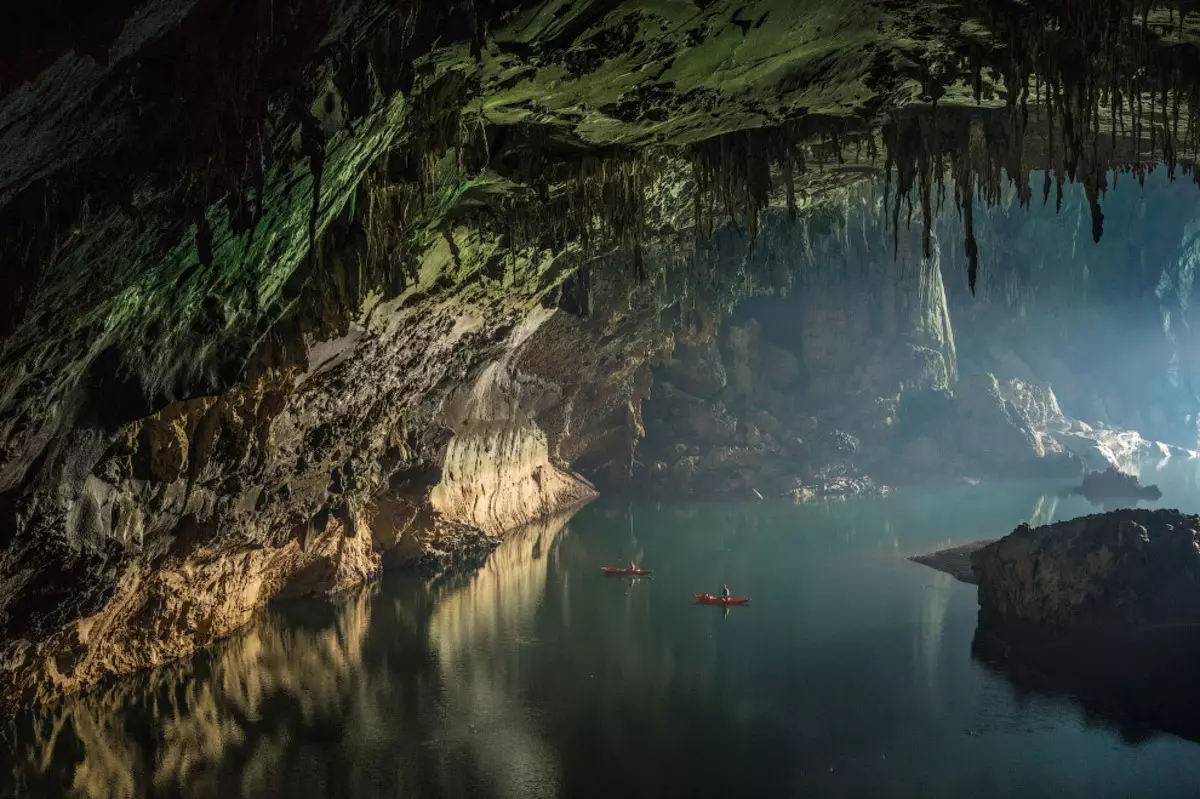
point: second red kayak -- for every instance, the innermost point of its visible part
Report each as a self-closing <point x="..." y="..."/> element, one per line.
<point x="615" y="572"/>
<point x="709" y="599"/>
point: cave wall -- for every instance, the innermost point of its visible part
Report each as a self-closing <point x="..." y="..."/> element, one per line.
<point x="246" y="281"/>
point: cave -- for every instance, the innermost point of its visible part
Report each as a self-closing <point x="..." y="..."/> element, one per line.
<point x="344" y="343"/>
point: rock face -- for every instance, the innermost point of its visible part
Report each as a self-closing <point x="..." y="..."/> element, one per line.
<point x="977" y="431"/>
<point x="1123" y="569"/>
<point x="781" y="404"/>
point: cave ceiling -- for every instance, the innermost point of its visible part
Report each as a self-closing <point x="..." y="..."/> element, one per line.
<point x="263" y="263"/>
<point x="169" y="167"/>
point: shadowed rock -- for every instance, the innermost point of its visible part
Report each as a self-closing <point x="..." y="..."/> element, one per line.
<point x="955" y="561"/>
<point x="1113" y="484"/>
<point x="1103" y="609"/>
<point x="1125" y="569"/>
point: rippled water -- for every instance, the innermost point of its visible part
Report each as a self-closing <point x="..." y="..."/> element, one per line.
<point x="849" y="675"/>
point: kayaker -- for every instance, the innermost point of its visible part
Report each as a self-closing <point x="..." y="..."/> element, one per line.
<point x="724" y="591"/>
<point x="632" y="567"/>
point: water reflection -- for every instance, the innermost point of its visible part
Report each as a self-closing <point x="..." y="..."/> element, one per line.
<point x="319" y="699"/>
<point x="172" y="731"/>
<point x="1138" y="683"/>
<point x="849" y="674"/>
<point x="476" y="633"/>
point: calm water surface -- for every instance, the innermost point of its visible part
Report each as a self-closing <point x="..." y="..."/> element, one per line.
<point x="849" y="675"/>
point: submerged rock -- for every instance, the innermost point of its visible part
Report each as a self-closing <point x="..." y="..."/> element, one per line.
<point x="955" y="561"/>
<point x="1123" y="569"/>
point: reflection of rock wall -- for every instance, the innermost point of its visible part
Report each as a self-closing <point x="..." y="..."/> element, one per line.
<point x="500" y="598"/>
<point x="201" y="716"/>
<point x="307" y="702"/>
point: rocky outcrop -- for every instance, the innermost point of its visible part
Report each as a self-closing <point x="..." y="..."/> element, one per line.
<point x="166" y="606"/>
<point x="1103" y="611"/>
<point x="975" y="431"/>
<point x="1123" y="569"/>
<point x="955" y="561"/>
<point x="1113" y="484"/>
<point x="696" y="370"/>
<point x="746" y="438"/>
<point x="767" y="420"/>
<point x="1098" y="446"/>
<point x="496" y="472"/>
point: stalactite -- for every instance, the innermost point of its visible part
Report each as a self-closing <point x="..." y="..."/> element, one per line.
<point x="1085" y="58"/>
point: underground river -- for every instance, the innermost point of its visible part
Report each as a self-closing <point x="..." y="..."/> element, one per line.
<point x="849" y="674"/>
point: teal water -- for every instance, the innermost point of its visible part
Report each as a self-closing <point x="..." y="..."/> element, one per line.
<point x="849" y="675"/>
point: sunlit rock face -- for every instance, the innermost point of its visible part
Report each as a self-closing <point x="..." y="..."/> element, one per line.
<point x="497" y="473"/>
<point x="165" y="608"/>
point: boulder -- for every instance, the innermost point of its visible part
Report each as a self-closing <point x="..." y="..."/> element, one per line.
<point x="1123" y="569"/>
<point x="1113" y="484"/>
<point x="697" y="370"/>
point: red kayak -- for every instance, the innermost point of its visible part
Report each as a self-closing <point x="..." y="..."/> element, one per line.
<point x="709" y="599"/>
<point x="615" y="572"/>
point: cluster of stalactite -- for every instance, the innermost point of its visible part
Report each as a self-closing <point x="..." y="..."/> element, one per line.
<point x="1090" y="86"/>
<point x="1106" y="85"/>
<point x="561" y="192"/>
<point x="957" y="153"/>
<point x="740" y="172"/>
<point x="599" y="201"/>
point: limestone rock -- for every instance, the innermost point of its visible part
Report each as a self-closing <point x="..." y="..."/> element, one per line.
<point x="1126" y="568"/>
<point x="1113" y="484"/>
<point x="976" y="430"/>
<point x="697" y="370"/>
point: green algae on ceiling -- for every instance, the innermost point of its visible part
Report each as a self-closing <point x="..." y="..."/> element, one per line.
<point x="668" y="71"/>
